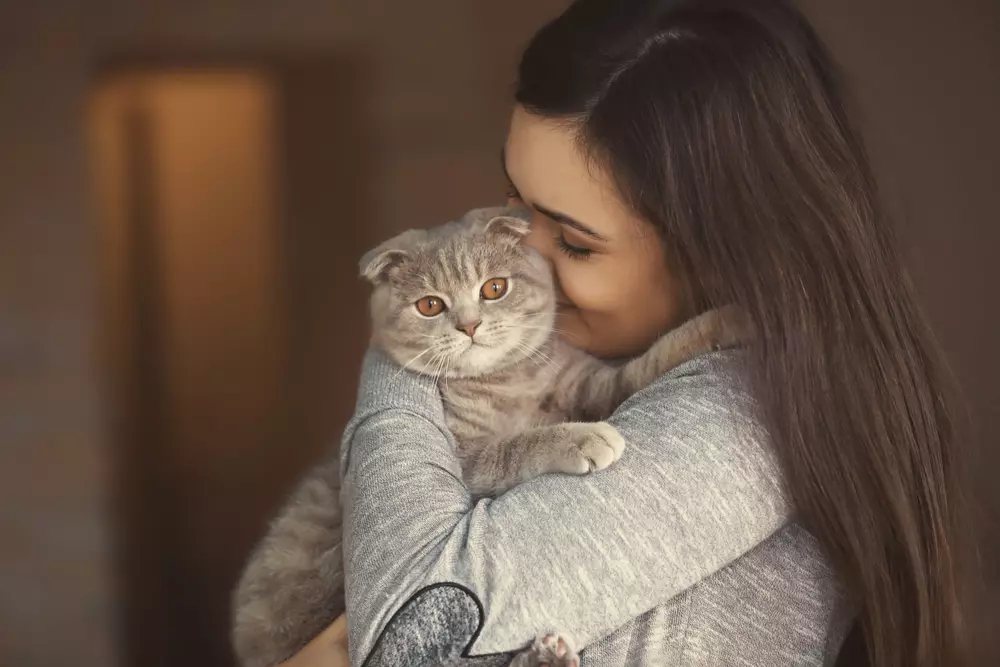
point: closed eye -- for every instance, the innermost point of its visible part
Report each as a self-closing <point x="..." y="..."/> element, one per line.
<point x="567" y="248"/>
<point x="570" y="250"/>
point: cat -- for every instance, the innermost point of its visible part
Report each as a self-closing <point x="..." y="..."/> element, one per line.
<point x="473" y="306"/>
<point x="469" y="304"/>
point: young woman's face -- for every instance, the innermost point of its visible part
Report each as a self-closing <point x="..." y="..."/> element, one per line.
<point x="617" y="293"/>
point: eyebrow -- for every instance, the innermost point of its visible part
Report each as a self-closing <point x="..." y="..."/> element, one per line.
<point x="561" y="218"/>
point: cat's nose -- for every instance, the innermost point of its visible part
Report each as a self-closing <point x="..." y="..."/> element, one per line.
<point x="470" y="328"/>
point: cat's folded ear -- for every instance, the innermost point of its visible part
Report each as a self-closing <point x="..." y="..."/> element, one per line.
<point x="377" y="264"/>
<point x="512" y="222"/>
<point x="510" y="226"/>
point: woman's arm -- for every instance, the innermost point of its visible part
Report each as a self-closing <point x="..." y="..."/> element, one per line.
<point x="696" y="488"/>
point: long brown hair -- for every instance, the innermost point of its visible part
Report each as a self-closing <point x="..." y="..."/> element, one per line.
<point x="724" y="125"/>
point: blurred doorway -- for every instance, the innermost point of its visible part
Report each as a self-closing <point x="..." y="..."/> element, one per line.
<point x="232" y="206"/>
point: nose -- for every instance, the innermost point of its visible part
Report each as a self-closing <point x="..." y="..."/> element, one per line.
<point x="470" y="328"/>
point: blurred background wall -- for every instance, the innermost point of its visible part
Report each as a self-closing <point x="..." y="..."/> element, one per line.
<point x="185" y="188"/>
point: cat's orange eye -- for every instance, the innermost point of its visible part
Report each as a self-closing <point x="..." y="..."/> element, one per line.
<point x="430" y="306"/>
<point x="493" y="289"/>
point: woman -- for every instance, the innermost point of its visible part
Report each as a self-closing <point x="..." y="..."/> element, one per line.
<point x="678" y="156"/>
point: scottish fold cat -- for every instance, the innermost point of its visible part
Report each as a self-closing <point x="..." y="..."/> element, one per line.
<point x="470" y="305"/>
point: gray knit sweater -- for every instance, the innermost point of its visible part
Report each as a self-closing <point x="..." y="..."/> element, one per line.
<point x="682" y="553"/>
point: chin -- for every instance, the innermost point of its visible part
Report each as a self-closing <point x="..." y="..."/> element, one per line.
<point x="477" y="360"/>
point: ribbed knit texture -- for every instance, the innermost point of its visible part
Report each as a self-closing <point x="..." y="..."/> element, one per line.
<point x="684" y="552"/>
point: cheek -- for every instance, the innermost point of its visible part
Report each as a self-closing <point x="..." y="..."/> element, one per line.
<point x="622" y="304"/>
<point x="590" y="287"/>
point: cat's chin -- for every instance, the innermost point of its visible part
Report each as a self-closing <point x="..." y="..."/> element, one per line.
<point x="464" y="360"/>
<point x="479" y="359"/>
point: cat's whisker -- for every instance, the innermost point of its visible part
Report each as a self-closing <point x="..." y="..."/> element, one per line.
<point x="534" y="327"/>
<point x="439" y="361"/>
<point x="532" y="350"/>
<point x="542" y="328"/>
<point x="441" y="371"/>
<point x="548" y="360"/>
<point x="543" y="355"/>
<point x="528" y="353"/>
<point x="541" y="364"/>
<point x="535" y="355"/>
<point x="408" y="363"/>
<point x="446" y="358"/>
<point x="436" y="376"/>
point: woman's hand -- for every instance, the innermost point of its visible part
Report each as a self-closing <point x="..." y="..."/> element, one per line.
<point x="328" y="649"/>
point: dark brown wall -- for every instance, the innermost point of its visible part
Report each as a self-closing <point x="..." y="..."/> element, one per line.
<point x="392" y="116"/>
<point x="927" y="77"/>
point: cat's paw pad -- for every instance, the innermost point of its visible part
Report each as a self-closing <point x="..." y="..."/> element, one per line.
<point x="553" y="651"/>
<point x="591" y="447"/>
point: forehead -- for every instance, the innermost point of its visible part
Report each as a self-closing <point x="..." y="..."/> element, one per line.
<point x="549" y="168"/>
<point x="458" y="262"/>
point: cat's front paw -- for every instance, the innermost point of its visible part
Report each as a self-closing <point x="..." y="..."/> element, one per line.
<point x="548" y="651"/>
<point x="588" y="448"/>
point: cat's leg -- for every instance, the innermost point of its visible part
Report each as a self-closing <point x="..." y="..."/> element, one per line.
<point x="574" y="448"/>
<point x="548" y="651"/>
<point x="293" y="585"/>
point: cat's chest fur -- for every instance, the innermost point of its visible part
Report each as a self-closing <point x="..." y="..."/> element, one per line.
<point x="504" y="403"/>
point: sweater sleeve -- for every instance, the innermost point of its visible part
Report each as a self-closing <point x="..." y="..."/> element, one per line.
<point x="696" y="488"/>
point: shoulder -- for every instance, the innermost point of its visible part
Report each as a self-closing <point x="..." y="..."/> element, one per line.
<point x="708" y="392"/>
